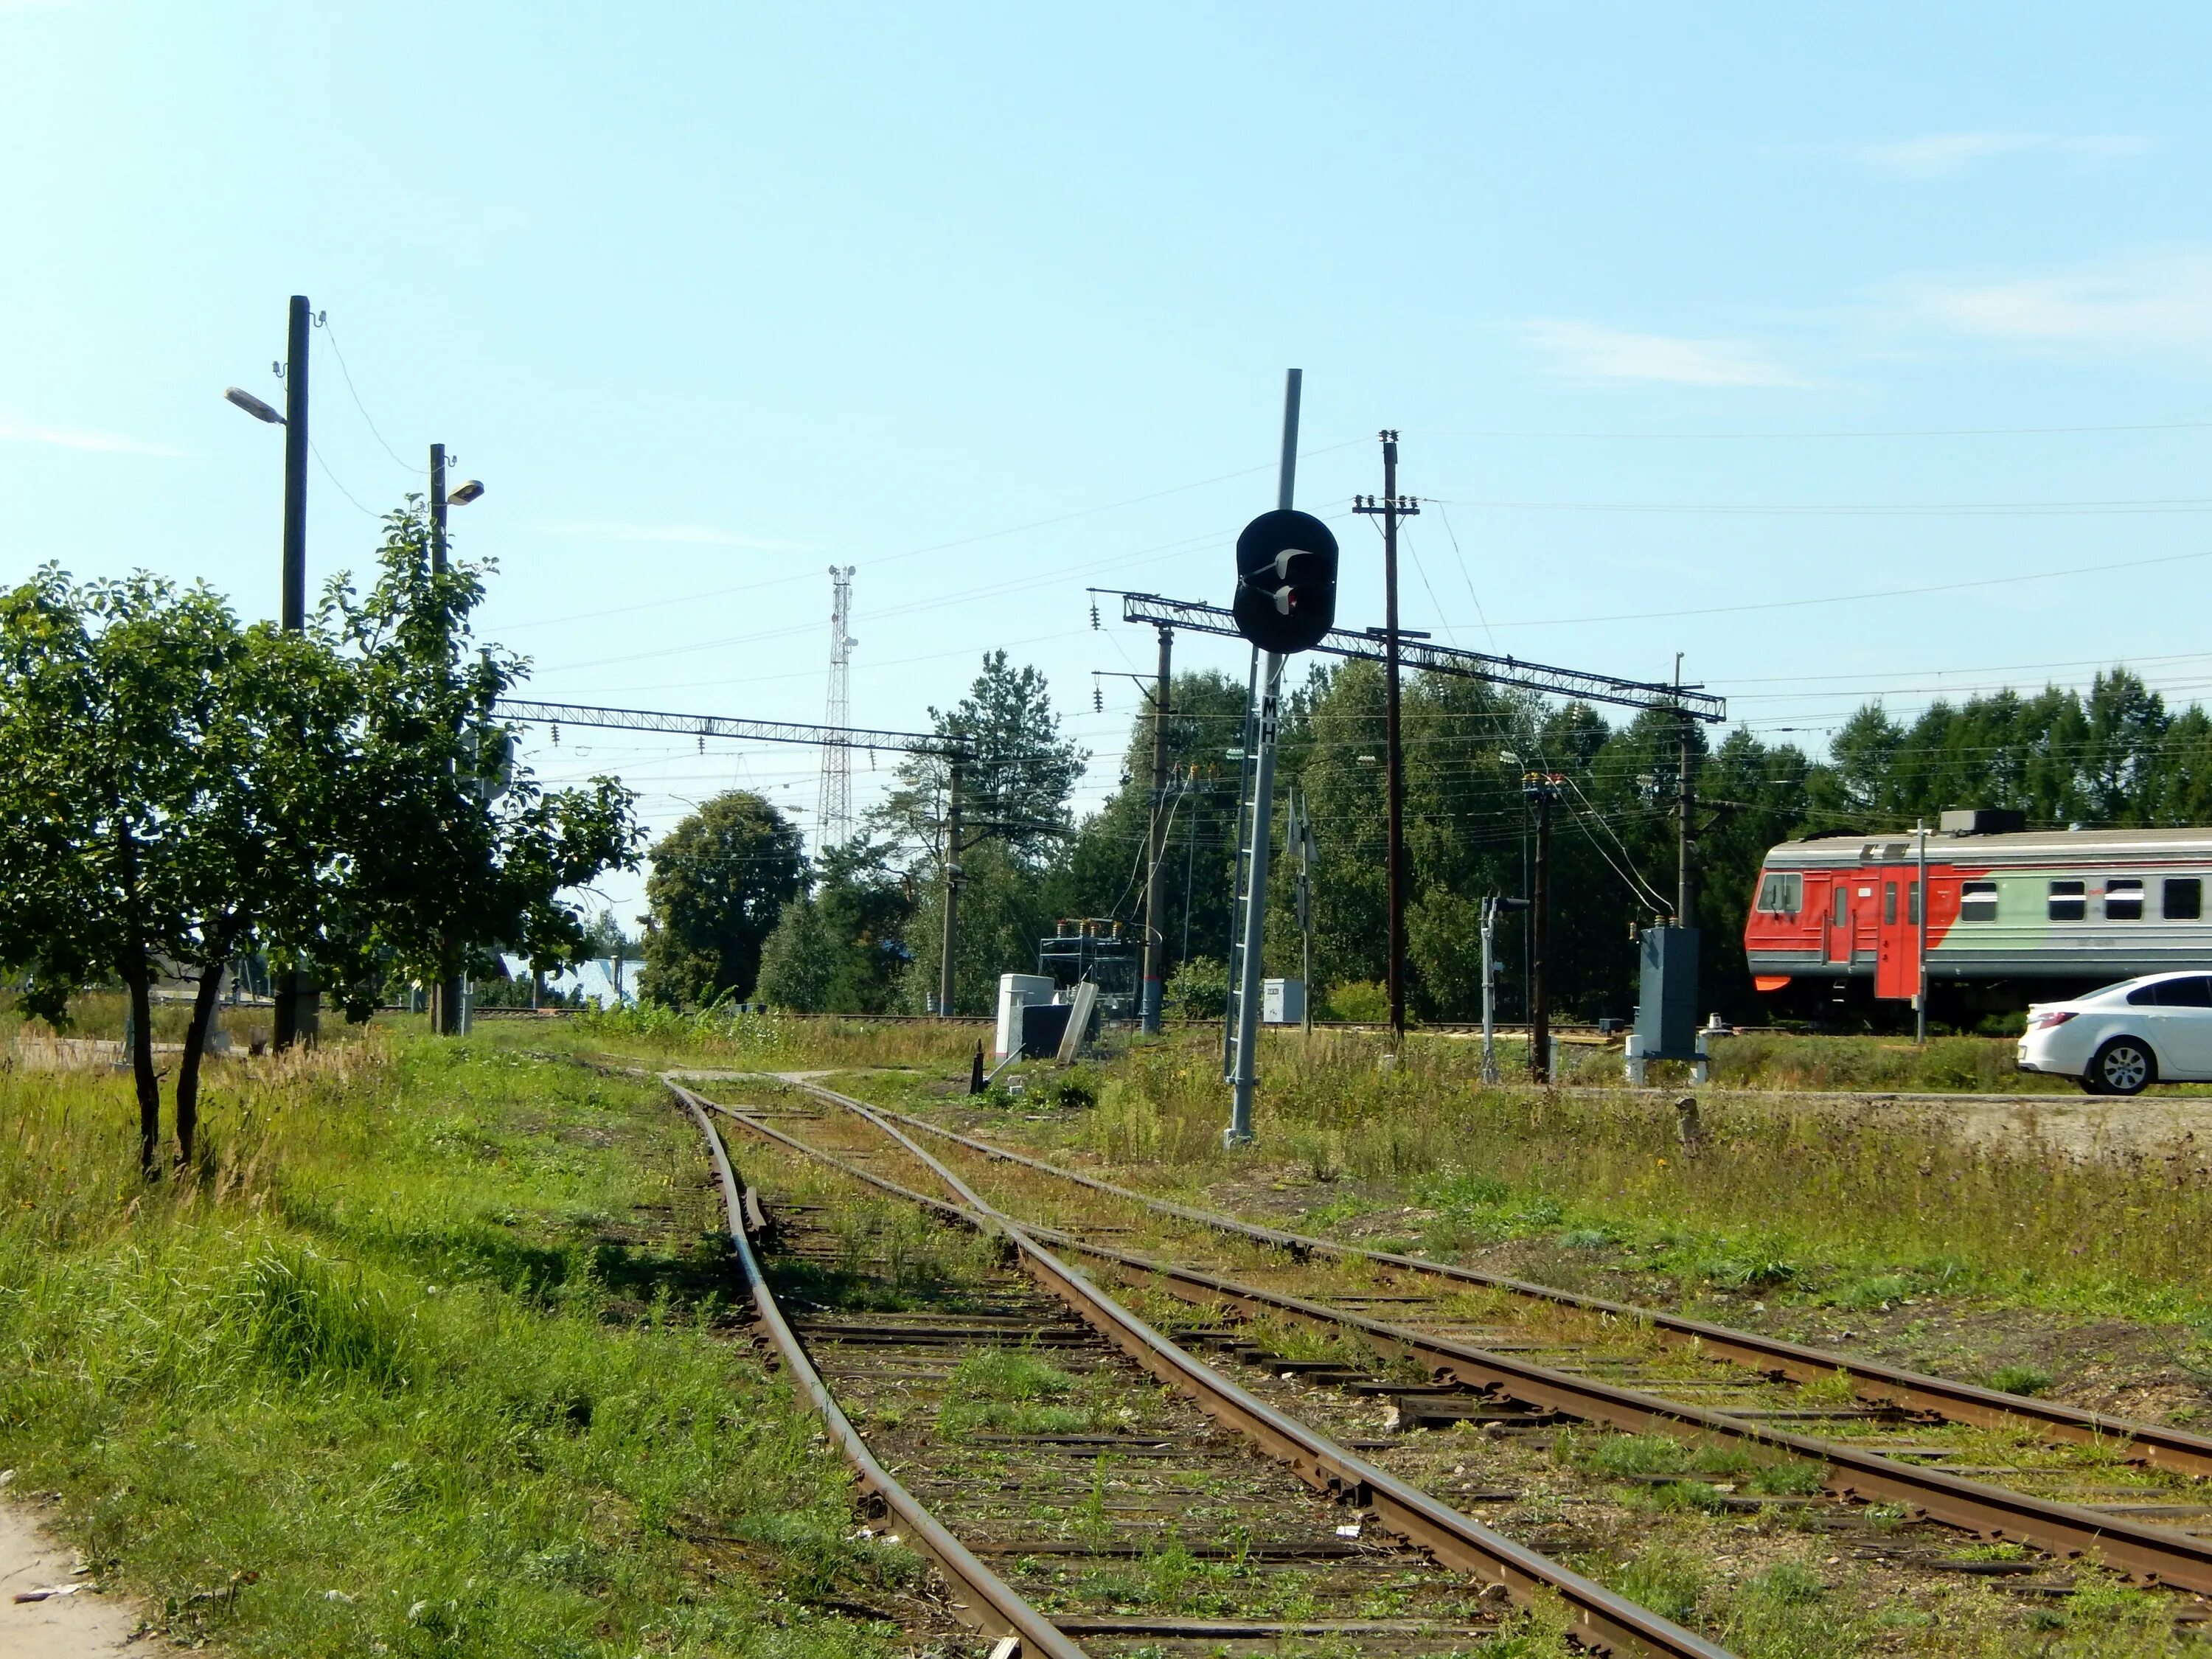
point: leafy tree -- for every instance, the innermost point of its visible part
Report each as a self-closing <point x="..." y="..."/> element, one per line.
<point x="165" y="776"/>
<point x="1004" y="911"/>
<point x="1103" y="873"/>
<point x="866" y="903"/>
<point x="719" y="881"/>
<point x="799" y="959"/>
<point x="450" y="851"/>
<point x="1016" y="786"/>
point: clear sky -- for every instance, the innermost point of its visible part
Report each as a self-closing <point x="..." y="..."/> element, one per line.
<point x="1700" y="326"/>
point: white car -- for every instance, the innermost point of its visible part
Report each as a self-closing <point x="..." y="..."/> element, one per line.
<point x="2121" y="1040"/>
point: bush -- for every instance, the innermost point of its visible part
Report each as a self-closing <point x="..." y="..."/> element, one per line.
<point x="1362" y="1001"/>
<point x="1198" y="989"/>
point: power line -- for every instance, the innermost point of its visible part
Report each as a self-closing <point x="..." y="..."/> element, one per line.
<point x="407" y="467"/>
<point x="1851" y="598"/>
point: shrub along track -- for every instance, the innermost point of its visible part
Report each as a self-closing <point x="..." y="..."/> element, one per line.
<point x="2073" y="1484"/>
<point x="1022" y="1407"/>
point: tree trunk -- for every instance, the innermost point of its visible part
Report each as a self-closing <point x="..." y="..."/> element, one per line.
<point x="188" y="1074"/>
<point x="141" y="1069"/>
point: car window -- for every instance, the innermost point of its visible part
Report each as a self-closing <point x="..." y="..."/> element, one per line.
<point x="2184" y="898"/>
<point x="2195" y="992"/>
<point x="2145" y="996"/>
<point x="1977" y="901"/>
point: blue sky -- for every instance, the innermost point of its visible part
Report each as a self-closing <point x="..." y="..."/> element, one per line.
<point x="1683" y="321"/>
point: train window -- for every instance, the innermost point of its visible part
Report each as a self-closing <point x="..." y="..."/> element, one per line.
<point x="2184" y="898"/>
<point x="1889" y="904"/>
<point x="1782" y="893"/>
<point x="2122" y="900"/>
<point x="1843" y="904"/>
<point x="1977" y="901"/>
<point x="1912" y="903"/>
<point x="2069" y="901"/>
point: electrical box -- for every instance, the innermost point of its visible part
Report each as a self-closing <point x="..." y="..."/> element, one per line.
<point x="1667" y="1014"/>
<point x="1016" y="992"/>
<point x="1044" y="1028"/>
<point x="1282" y="1001"/>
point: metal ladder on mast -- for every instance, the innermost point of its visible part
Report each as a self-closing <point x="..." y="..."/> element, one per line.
<point x="1246" y="810"/>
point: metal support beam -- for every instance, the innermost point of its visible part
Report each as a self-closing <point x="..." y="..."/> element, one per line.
<point x="1429" y="656"/>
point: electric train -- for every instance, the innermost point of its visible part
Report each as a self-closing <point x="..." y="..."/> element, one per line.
<point x="2013" y="916"/>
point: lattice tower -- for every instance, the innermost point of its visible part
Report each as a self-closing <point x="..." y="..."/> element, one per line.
<point x="833" y="813"/>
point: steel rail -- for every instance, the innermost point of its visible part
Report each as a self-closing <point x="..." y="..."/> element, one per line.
<point x="1873" y="1381"/>
<point x="2152" y="1554"/>
<point x="1603" y="1621"/>
<point x="990" y="1604"/>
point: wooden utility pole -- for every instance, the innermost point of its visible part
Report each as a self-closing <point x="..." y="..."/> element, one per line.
<point x="1685" y="914"/>
<point x="1390" y="508"/>
<point x="951" y="888"/>
<point x="294" y="992"/>
<point x="1148" y="1006"/>
<point x="1541" y="787"/>
<point x="447" y="995"/>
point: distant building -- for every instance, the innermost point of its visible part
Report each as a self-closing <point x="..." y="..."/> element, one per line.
<point x="596" y="979"/>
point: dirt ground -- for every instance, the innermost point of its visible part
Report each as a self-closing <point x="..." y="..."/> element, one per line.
<point x="83" y="1625"/>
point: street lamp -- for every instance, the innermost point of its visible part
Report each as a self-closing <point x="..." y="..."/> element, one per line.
<point x="253" y="406"/>
<point x="296" y="995"/>
<point x="449" y="1012"/>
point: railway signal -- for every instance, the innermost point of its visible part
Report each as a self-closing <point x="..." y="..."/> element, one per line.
<point x="1285" y="582"/>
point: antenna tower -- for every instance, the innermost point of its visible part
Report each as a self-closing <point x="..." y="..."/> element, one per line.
<point x="834" y="814"/>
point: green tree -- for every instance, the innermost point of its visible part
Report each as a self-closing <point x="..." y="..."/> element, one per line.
<point x="164" y="777"/>
<point x="1016" y="785"/>
<point x="1104" y="874"/>
<point x="719" y="881"/>
<point x="450" y="851"/>
<point x="799" y="959"/>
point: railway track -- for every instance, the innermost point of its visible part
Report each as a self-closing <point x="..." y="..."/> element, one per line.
<point x="1893" y="1444"/>
<point x="1291" y="1535"/>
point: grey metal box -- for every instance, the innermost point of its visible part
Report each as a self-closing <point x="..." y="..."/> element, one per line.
<point x="1667" y="1014"/>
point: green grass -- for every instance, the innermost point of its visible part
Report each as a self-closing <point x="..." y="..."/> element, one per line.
<point x="429" y="1357"/>
<point x="1818" y="1203"/>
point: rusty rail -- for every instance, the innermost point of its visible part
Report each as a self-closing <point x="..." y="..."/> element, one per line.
<point x="1873" y="1381"/>
<point x="2150" y="1554"/>
<point x="1604" y="1621"/>
<point x="980" y="1599"/>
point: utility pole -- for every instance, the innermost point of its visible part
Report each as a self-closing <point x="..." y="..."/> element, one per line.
<point x="1239" y="1132"/>
<point x="447" y="995"/>
<point x="952" y="888"/>
<point x="1392" y="508"/>
<point x="1920" y="927"/>
<point x="1542" y="787"/>
<point x="1302" y="844"/>
<point x="295" y="996"/>
<point x="1155" y="847"/>
<point x="1686" y="914"/>
<point x="295" y="465"/>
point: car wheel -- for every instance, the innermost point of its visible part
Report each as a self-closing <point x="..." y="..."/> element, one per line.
<point x="2122" y="1067"/>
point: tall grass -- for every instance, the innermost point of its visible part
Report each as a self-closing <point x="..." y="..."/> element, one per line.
<point x="747" y="1040"/>
<point x="424" y="1358"/>
<point x="1768" y="1183"/>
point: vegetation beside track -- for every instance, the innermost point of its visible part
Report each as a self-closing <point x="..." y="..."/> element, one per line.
<point x="428" y="1355"/>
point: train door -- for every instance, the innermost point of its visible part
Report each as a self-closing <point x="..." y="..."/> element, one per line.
<point x="1897" y="922"/>
<point x="1838" y="920"/>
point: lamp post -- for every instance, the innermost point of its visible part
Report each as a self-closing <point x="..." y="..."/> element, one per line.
<point x="449" y="999"/>
<point x="294" y="992"/>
